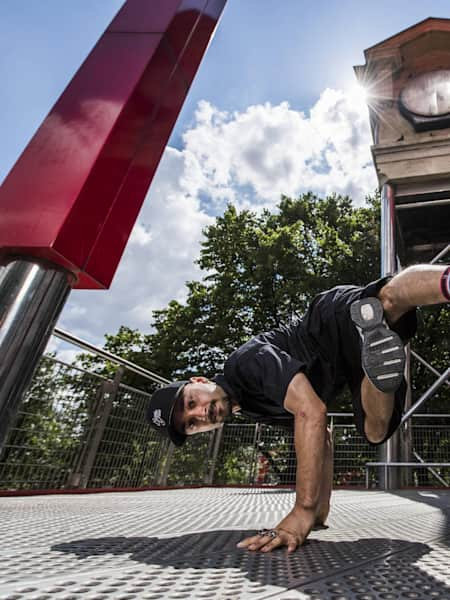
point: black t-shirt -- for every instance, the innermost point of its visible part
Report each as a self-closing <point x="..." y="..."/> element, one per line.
<point x="259" y="372"/>
<point x="325" y="345"/>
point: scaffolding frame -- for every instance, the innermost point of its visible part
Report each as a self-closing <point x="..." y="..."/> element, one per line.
<point x="390" y="453"/>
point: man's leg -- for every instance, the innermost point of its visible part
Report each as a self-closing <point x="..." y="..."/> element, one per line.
<point x="378" y="408"/>
<point x="419" y="285"/>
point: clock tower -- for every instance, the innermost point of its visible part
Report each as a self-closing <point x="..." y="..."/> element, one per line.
<point x="407" y="81"/>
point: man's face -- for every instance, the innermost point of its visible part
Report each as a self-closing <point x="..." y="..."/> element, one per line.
<point x="202" y="406"/>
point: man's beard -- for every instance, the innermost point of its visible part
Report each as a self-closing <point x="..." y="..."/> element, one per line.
<point x="218" y="415"/>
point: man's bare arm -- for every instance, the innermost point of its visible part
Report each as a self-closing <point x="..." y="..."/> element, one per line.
<point x="310" y="439"/>
<point x="310" y="415"/>
<point x="327" y="482"/>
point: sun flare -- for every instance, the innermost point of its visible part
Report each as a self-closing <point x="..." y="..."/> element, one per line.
<point x="358" y="94"/>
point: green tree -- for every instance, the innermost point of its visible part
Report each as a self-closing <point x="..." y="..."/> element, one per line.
<point x="261" y="270"/>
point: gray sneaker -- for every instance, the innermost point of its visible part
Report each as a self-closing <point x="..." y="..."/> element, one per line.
<point x="383" y="355"/>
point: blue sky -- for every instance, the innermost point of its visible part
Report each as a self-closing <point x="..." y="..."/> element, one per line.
<point x="264" y="50"/>
<point x="270" y="99"/>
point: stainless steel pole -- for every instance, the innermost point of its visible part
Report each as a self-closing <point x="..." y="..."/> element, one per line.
<point x="390" y="451"/>
<point x="405" y="432"/>
<point x="32" y="295"/>
<point x="388" y="254"/>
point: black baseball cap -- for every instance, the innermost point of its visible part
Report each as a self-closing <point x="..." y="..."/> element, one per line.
<point x="160" y="411"/>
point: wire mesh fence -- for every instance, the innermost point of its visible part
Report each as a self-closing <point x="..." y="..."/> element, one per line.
<point x="351" y="452"/>
<point x="78" y="429"/>
<point x="50" y="429"/>
<point x="238" y="454"/>
<point x="431" y="443"/>
<point x="128" y="453"/>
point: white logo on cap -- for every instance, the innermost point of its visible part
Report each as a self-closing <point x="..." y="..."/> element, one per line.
<point x="157" y="418"/>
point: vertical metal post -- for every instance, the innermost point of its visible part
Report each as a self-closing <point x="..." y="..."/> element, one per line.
<point x="254" y="468"/>
<point x="388" y="254"/>
<point x="218" y="436"/>
<point x="208" y="456"/>
<point x="390" y="451"/>
<point x="138" y="477"/>
<point x="103" y="405"/>
<point x="406" y="429"/>
<point x="168" y="463"/>
<point x="32" y="295"/>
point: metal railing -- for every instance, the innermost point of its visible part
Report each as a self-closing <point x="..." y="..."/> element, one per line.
<point x="410" y="465"/>
<point x="79" y="429"/>
<point x="108" y="356"/>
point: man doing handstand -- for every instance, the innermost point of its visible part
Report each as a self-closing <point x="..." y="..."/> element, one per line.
<point x="349" y="335"/>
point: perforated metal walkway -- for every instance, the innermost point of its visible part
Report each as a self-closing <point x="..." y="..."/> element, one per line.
<point x="182" y="544"/>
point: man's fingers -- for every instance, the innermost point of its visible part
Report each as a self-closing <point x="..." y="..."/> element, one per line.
<point x="286" y="539"/>
<point x="248" y="541"/>
<point x="274" y="543"/>
<point x="283" y="539"/>
<point x="267" y="543"/>
<point x="257" y="542"/>
<point x="260" y="542"/>
<point x="254" y="540"/>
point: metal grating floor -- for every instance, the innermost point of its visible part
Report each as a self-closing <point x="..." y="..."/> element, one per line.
<point x="182" y="544"/>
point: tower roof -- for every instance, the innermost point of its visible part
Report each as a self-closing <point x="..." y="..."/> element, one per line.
<point x="431" y="24"/>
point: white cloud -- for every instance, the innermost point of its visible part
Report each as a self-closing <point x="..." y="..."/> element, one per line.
<point x="275" y="149"/>
<point x="250" y="158"/>
<point x="141" y="235"/>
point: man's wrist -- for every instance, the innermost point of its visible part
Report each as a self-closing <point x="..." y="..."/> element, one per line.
<point x="305" y="508"/>
<point x="305" y="515"/>
<point x="307" y="504"/>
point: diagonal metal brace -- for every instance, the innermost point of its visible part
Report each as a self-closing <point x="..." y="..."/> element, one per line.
<point x="427" y="365"/>
<point x="431" y="390"/>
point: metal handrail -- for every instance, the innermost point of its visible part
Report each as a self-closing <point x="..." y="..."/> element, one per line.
<point x="69" y="337"/>
<point x="76" y="368"/>
<point x="387" y="465"/>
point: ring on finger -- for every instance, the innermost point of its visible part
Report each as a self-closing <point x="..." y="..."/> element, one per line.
<point x="268" y="532"/>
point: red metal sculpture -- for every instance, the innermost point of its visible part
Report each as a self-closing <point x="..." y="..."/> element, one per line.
<point x="74" y="194"/>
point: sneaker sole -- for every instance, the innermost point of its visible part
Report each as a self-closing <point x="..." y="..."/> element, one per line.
<point x="383" y="355"/>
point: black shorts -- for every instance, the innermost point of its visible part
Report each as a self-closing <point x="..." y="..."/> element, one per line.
<point x="336" y="343"/>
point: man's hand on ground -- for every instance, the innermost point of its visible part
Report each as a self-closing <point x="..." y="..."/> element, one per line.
<point x="292" y="532"/>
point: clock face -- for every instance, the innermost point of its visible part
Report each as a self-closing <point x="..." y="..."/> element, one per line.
<point x="428" y="95"/>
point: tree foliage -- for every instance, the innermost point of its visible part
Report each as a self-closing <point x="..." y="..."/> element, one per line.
<point x="260" y="270"/>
